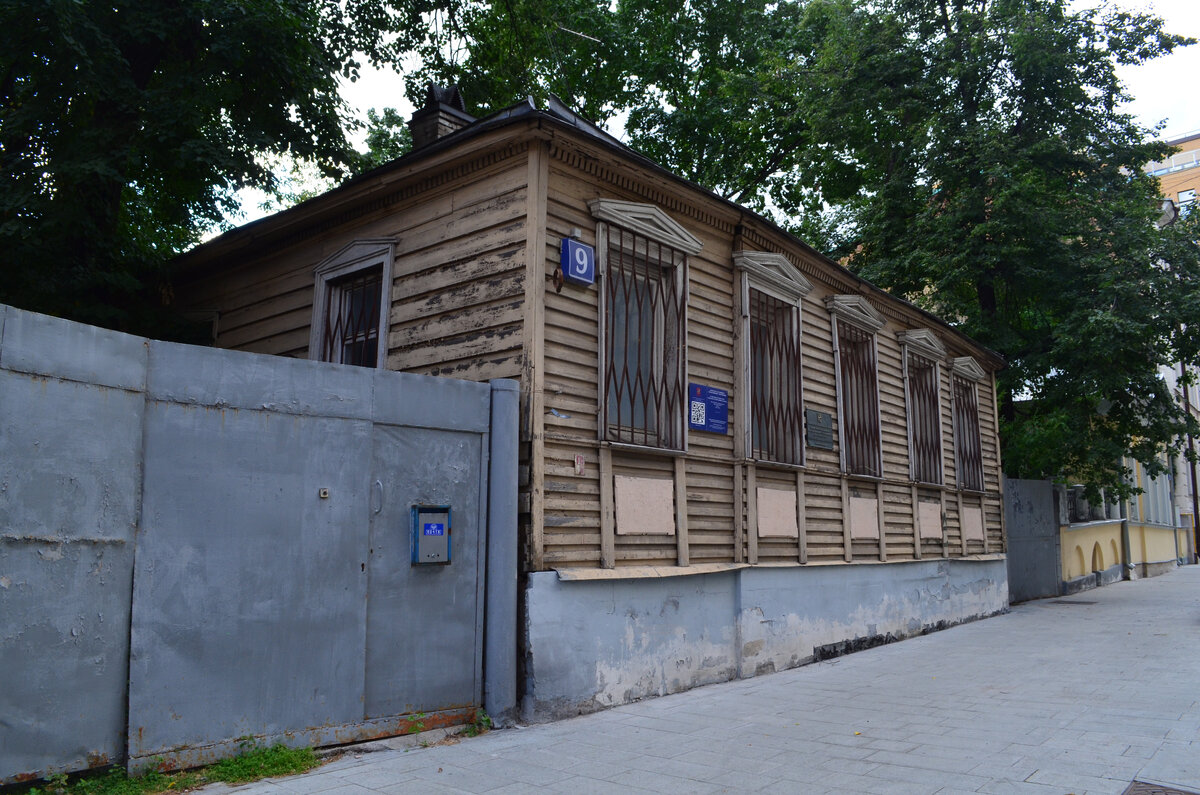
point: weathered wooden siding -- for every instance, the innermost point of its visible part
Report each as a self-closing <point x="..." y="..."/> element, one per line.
<point x="477" y="242"/>
<point x="458" y="279"/>
<point x="721" y="488"/>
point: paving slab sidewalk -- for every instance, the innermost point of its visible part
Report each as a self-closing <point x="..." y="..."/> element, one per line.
<point x="1083" y="694"/>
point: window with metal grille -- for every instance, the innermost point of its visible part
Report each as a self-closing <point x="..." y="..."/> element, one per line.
<point x="775" y="397"/>
<point x="351" y="329"/>
<point x="967" y="453"/>
<point x="859" y="400"/>
<point x="924" y="419"/>
<point x="645" y="286"/>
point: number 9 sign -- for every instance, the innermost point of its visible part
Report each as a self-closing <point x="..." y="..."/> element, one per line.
<point x="578" y="262"/>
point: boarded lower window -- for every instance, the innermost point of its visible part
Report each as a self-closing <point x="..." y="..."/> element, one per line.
<point x="924" y="420"/>
<point x="967" y="453"/>
<point x="644" y="299"/>
<point x="859" y="398"/>
<point x="351" y="329"/>
<point x="775" y="397"/>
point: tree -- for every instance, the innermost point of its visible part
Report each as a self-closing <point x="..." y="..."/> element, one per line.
<point x="700" y="84"/>
<point x="968" y="155"/>
<point x="126" y="127"/>
<point x="388" y="138"/>
<point x="1003" y="189"/>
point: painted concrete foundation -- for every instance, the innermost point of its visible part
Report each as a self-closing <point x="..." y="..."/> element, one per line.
<point x="594" y="644"/>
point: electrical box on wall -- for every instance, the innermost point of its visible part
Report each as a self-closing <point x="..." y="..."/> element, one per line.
<point x="430" y="534"/>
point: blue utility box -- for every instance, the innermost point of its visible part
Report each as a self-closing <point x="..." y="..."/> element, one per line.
<point x="430" y="534"/>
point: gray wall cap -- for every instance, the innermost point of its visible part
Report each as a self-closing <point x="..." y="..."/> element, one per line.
<point x="50" y="346"/>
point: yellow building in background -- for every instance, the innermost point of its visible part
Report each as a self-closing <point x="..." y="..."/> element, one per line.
<point x="1144" y="536"/>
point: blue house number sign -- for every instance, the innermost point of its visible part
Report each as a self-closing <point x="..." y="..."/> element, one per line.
<point x="578" y="262"/>
<point x="708" y="408"/>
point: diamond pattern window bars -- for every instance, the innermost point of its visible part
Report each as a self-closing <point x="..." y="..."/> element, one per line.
<point x="352" y="319"/>
<point x="967" y="451"/>
<point x="924" y="420"/>
<point x="644" y="346"/>
<point x="859" y="401"/>
<point x="775" y="391"/>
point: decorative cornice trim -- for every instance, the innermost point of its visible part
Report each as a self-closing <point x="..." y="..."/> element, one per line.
<point x="775" y="271"/>
<point x="924" y="343"/>
<point x="648" y="220"/>
<point x="636" y="181"/>
<point x="967" y="367"/>
<point x="857" y="311"/>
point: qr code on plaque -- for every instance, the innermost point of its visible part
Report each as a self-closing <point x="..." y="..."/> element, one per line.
<point x="697" y="412"/>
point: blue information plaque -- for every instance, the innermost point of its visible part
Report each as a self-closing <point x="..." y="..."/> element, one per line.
<point x="578" y="262"/>
<point x="708" y="409"/>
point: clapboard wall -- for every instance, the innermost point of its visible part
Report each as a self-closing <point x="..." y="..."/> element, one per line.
<point x="715" y="487"/>
<point x="477" y="229"/>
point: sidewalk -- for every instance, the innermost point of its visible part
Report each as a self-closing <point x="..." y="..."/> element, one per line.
<point x="1082" y="694"/>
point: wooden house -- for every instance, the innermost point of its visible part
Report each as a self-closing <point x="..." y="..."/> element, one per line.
<point x="736" y="455"/>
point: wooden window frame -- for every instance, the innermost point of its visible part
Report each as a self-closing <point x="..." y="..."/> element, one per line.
<point x="649" y="233"/>
<point x="775" y="277"/>
<point x="855" y="314"/>
<point x="351" y="260"/>
<point x="923" y="344"/>
<point x="968" y="432"/>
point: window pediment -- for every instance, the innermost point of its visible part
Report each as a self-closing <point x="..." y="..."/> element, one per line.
<point x="775" y="271"/>
<point x="648" y="220"/>
<point x="924" y="343"/>
<point x="967" y="367"/>
<point x="857" y="311"/>
<point x="355" y="253"/>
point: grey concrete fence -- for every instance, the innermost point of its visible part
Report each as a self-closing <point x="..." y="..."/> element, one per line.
<point x="199" y="546"/>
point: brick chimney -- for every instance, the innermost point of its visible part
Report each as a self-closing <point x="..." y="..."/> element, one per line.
<point x="444" y="112"/>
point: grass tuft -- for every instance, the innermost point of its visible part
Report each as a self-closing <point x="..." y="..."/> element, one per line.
<point x="257" y="763"/>
<point x="252" y="764"/>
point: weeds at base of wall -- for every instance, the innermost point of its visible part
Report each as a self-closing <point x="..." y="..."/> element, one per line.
<point x="481" y="725"/>
<point x="252" y="764"/>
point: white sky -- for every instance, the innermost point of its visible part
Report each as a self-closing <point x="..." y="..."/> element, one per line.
<point x="1165" y="90"/>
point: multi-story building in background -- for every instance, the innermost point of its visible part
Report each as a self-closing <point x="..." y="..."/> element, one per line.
<point x="1179" y="177"/>
<point x="1179" y="173"/>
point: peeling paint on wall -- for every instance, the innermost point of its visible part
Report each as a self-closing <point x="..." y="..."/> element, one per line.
<point x="596" y="644"/>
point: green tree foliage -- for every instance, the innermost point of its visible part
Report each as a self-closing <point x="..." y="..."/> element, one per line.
<point x="388" y="137"/>
<point x="125" y="128"/>
<point x="1001" y="188"/>
<point x="968" y="155"/>
<point x="499" y="53"/>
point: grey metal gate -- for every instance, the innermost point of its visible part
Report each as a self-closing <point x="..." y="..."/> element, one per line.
<point x="1031" y="522"/>
<point x="275" y="596"/>
<point x="194" y="550"/>
<point x="424" y="622"/>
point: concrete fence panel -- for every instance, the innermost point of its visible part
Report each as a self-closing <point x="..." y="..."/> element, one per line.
<point x="1033" y="552"/>
<point x="70" y="471"/>
<point x="192" y="542"/>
